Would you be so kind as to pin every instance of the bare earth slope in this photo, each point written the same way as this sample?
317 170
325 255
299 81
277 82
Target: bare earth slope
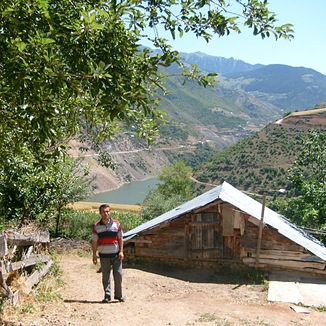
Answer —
181 299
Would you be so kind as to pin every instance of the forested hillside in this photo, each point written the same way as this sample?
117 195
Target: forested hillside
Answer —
259 163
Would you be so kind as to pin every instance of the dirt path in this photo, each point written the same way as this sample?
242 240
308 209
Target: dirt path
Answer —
157 300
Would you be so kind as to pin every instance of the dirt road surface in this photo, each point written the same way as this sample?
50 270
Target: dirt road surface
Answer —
174 297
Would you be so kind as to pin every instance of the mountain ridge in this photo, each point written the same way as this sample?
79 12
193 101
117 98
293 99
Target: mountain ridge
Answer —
217 64
197 117
289 88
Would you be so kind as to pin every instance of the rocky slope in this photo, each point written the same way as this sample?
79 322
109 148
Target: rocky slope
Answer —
132 163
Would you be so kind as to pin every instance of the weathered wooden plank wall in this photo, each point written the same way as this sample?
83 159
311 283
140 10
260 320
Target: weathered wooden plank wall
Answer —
221 233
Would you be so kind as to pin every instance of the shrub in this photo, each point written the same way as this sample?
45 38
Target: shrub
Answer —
78 224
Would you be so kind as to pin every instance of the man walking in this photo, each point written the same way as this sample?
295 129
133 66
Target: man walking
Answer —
107 240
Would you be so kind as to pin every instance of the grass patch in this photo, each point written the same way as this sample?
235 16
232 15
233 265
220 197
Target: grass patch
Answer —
254 322
48 290
319 308
209 318
257 276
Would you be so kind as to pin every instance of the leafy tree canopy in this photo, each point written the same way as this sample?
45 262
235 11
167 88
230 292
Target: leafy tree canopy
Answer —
74 67
175 188
308 178
31 192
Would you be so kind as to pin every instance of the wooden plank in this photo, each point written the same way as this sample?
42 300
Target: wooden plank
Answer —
28 253
228 226
229 247
211 206
4 288
15 299
187 241
249 244
287 255
208 223
3 245
285 263
212 254
140 240
254 221
30 261
36 277
16 238
151 252
260 232
42 236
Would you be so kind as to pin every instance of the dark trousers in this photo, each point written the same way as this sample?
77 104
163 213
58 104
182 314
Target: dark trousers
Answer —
116 265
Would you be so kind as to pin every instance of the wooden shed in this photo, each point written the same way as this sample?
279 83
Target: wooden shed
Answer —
226 227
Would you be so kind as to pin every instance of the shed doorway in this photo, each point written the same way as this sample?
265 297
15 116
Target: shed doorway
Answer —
205 239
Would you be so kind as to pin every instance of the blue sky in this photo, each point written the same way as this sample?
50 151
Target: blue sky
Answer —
307 49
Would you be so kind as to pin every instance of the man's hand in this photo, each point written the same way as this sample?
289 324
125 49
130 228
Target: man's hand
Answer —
121 256
94 259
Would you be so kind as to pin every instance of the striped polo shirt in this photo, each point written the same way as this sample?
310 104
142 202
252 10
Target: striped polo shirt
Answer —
107 237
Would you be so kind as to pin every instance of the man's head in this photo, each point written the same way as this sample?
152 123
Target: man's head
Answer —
105 212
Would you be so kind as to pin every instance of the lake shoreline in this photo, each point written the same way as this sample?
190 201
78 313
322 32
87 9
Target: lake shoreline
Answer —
125 183
132 193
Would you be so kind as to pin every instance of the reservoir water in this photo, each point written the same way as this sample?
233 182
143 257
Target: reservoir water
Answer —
131 193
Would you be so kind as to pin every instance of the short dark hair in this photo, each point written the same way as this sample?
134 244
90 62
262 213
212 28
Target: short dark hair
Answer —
103 206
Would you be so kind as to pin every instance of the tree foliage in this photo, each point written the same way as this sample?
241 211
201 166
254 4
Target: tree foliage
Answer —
75 68
308 178
176 181
67 65
175 188
32 192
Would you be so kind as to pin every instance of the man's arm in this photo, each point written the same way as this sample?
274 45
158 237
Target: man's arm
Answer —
121 256
94 249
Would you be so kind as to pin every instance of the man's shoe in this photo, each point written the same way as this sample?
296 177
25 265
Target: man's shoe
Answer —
122 299
106 300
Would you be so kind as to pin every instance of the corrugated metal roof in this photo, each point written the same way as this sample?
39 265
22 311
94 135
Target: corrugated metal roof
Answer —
227 193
